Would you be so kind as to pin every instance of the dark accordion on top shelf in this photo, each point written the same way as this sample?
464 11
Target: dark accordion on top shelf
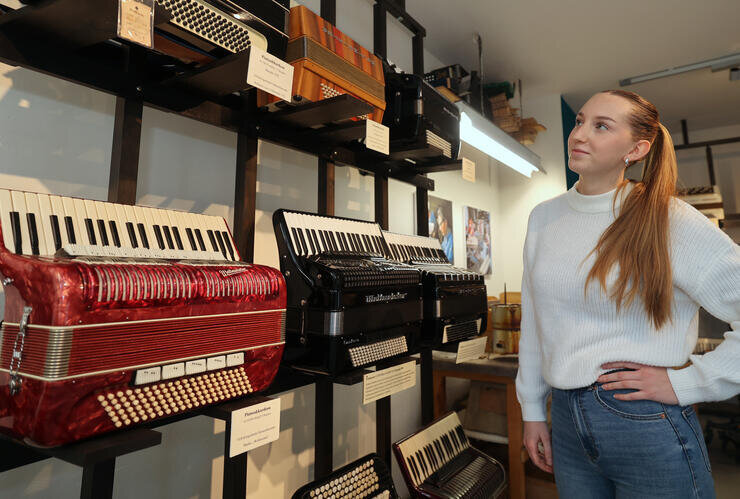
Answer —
328 63
424 125
193 32
368 477
454 299
203 30
439 462
348 305
117 315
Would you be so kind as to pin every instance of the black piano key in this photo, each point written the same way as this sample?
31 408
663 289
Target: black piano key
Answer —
316 240
420 460
437 453
114 233
199 237
353 242
70 226
360 244
310 241
191 238
168 237
56 231
296 240
368 243
132 234
142 235
341 241
178 239
228 244
333 241
412 467
33 233
430 457
212 238
455 442
324 242
15 219
303 240
158 235
221 244
103 233
91 232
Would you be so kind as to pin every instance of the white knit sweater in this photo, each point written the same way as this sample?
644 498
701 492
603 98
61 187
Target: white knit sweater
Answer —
566 336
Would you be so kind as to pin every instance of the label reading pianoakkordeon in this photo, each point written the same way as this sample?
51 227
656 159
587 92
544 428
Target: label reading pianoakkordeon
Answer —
468 170
388 381
471 349
254 426
270 74
136 21
377 136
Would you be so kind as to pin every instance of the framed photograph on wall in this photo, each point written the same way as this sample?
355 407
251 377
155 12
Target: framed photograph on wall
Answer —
478 240
440 224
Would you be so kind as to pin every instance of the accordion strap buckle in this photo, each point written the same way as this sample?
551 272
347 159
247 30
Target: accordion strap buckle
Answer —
15 360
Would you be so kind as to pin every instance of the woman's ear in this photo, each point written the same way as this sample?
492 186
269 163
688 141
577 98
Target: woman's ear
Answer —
639 151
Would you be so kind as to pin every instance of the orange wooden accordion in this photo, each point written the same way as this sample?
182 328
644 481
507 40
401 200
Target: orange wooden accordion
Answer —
329 63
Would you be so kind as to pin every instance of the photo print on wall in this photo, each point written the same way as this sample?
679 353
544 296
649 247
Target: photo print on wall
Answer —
440 224
478 240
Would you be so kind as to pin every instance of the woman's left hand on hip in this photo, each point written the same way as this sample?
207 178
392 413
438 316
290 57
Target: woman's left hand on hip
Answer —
651 383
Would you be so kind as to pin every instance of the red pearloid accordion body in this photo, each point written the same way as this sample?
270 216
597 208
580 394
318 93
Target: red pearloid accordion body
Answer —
112 342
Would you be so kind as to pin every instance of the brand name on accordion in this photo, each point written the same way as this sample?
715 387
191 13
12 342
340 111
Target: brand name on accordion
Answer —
230 272
382 297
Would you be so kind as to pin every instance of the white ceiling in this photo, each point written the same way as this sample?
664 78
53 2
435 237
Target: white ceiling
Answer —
578 47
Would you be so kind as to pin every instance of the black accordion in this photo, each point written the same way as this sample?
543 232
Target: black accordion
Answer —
348 305
455 299
424 125
367 477
439 462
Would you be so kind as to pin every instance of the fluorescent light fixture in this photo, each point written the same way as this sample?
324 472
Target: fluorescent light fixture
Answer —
482 134
716 64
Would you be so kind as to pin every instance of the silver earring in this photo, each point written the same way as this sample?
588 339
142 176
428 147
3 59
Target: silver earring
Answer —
626 161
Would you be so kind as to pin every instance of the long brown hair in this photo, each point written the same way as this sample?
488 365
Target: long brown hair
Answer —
637 240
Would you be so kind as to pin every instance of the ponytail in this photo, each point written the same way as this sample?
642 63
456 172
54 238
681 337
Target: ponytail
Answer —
637 241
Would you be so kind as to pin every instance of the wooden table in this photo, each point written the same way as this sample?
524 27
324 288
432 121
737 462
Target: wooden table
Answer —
494 371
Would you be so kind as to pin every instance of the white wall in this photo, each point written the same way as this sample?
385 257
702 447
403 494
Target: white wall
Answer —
56 137
693 171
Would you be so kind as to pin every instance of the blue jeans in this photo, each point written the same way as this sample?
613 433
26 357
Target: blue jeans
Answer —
609 448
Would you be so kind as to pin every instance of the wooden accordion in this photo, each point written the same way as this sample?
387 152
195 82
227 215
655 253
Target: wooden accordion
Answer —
117 315
329 63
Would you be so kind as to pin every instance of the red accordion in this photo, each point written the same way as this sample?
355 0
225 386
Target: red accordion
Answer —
117 315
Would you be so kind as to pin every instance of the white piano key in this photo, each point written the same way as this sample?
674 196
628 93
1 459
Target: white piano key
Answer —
171 220
131 215
45 213
91 213
33 206
191 222
70 214
148 220
6 206
102 214
179 220
212 224
81 230
231 241
19 206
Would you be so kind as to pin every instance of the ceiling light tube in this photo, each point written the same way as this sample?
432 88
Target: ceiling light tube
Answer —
716 65
482 134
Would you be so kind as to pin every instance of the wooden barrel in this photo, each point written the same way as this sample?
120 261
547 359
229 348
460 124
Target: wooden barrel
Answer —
506 320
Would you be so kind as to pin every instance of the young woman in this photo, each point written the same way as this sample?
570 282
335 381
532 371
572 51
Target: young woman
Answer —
614 273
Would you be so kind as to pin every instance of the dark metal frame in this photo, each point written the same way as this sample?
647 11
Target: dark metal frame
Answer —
119 69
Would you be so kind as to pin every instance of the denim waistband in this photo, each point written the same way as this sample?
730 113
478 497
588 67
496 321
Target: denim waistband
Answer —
595 383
